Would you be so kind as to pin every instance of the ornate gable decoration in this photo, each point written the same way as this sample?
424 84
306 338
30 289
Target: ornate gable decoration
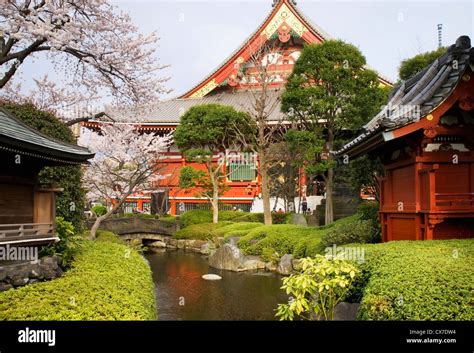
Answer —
282 23
284 16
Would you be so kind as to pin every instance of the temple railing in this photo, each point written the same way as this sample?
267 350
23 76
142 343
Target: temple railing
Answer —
454 201
433 201
26 232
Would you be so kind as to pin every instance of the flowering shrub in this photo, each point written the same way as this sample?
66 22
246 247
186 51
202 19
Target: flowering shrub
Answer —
317 288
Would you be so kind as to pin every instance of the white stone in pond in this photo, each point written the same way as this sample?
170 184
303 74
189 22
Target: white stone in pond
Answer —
211 277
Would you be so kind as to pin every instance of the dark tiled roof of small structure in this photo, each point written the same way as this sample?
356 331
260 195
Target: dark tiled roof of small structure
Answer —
421 94
170 112
17 137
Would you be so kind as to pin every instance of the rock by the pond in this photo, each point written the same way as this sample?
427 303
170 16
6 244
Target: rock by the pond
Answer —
253 264
173 242
227 257
159 250
193 245
181 244
157 244
285 265
211 277
298 219
207 248
270 266
346 311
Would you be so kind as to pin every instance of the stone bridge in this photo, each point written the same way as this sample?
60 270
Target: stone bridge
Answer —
138 228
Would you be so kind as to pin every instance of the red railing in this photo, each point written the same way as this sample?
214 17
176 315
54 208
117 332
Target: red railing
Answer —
12 233
454 201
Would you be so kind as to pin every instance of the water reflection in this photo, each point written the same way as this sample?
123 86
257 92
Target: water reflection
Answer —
238 296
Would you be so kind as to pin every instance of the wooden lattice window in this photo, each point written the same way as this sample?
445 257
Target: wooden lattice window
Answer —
242 172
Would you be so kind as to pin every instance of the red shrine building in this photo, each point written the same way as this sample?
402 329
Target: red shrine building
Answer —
282 36
425 139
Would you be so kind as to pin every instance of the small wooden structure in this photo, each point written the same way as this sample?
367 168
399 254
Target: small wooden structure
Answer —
27 212
425 139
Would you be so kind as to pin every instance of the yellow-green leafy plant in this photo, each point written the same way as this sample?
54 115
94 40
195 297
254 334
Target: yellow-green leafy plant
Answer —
317 288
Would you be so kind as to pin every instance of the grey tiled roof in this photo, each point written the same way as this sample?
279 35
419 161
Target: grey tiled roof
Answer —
169 112
421 94
15 136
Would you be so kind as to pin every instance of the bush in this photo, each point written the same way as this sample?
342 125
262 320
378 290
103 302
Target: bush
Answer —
330 279
203 231
277 218
240 227
418 280
107 282
68 243
99 210
283 238
354 232
369 211
105 235
289 238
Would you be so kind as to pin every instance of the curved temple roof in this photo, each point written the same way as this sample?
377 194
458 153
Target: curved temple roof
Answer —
17 137
420 95
283 10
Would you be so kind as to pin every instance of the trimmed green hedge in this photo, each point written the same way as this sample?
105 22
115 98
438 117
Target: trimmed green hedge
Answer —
418 280
107 281
277 218
358 231
236 229
279 238
105 235
203 231
205 216
290 239
283 239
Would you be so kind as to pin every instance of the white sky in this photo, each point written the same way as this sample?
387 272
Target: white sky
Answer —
198 35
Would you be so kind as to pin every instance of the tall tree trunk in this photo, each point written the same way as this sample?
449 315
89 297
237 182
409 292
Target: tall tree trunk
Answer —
329 212
99 220
215 198
96 226
267 213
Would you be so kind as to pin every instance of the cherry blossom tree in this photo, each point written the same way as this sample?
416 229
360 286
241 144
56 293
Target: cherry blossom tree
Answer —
69 105
95 46
126 162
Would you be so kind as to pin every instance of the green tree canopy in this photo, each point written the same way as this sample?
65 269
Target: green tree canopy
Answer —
410 67
70 202
329 93
203 131
208 128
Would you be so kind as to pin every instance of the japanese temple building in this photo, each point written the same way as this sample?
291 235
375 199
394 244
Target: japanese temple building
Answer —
27 211
285 28
425 139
